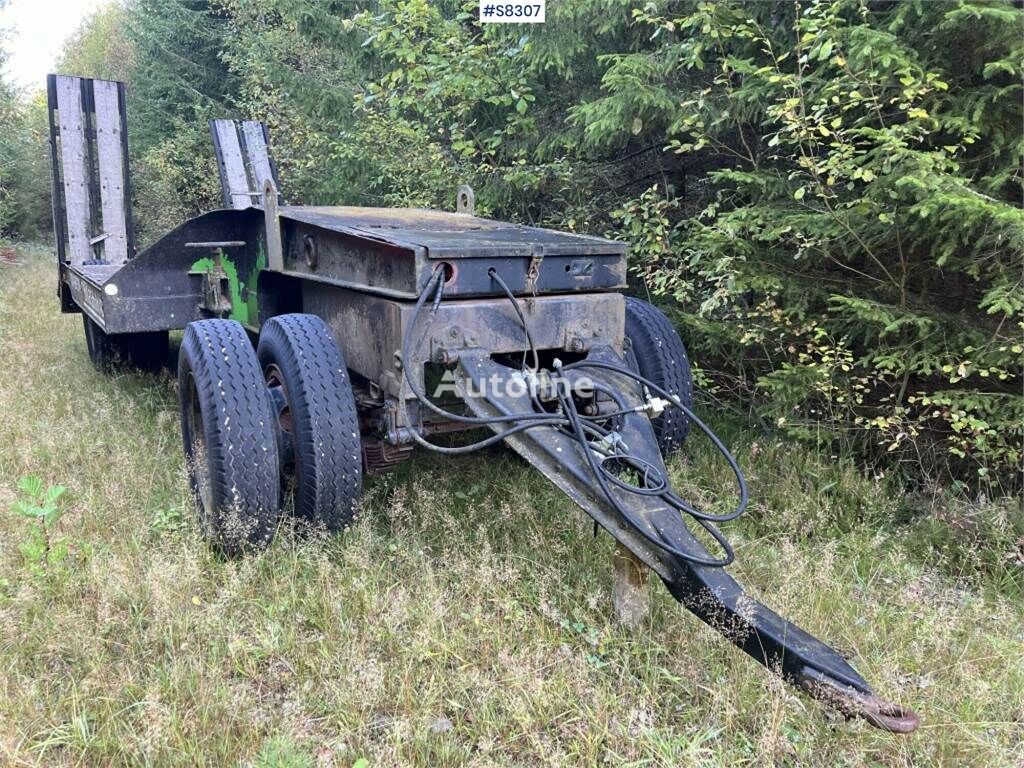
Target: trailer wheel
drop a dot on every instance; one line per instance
(317, 417)
(661, 357)
(108, 352)
(228, 433)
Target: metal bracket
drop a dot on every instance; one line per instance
(275, 252)
(465, 200)
(533, 271)
(445, 346)
(582, 337)
(574, 342)
(216, 294)
(216, 290)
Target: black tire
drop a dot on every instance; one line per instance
(307, 376)
(661, 357)
(109, 352)
(228, 432)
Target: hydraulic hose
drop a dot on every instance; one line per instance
(569, 421)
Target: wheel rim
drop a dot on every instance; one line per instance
(199, 456)
(285, 423)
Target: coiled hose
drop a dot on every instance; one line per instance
(585, 429)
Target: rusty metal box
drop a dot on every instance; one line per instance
(393, 252)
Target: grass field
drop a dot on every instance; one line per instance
(465, 619)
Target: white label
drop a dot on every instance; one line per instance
(512, 11)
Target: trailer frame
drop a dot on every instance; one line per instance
(354, 310)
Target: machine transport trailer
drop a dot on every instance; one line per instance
(325, 343)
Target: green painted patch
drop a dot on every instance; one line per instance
(244, 310)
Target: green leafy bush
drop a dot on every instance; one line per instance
(857, 261)
(24, 199)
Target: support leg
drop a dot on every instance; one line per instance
(631, 596)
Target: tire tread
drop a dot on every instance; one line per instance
(239, 432)
(662, 358)
(326, 423)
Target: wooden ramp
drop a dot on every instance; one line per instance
(244, 162)
(89, 170)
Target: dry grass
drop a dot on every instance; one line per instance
(449, 630)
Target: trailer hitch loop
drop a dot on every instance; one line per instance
(882, 714)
